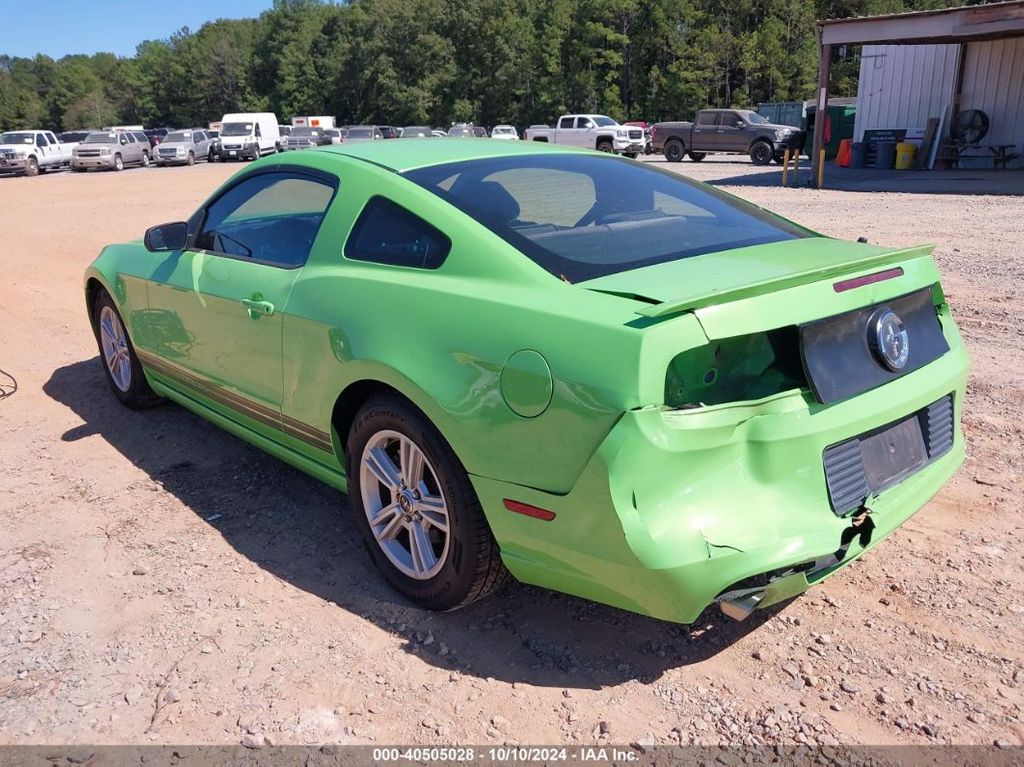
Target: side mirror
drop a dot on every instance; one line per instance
(165, 237)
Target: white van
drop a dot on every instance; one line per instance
(248, 136)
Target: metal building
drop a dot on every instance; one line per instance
(933, 64)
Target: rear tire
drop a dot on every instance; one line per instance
(674, 150)
(117, 354)
(450, 564)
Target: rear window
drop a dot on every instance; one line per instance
(583, 216)
(360, 133)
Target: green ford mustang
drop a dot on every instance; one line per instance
(580, 370)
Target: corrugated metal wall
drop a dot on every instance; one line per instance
(901, 86)
(994, 83)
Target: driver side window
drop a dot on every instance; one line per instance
(272, 218)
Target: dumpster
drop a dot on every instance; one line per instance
(839, 119)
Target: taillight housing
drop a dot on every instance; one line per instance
(736, 370)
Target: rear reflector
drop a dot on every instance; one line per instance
(867, 279)
(528, 510)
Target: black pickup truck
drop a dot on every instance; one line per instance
(734, 131)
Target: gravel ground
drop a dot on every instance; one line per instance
(162, 582)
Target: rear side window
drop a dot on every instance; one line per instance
(707, 118)
(386, 233)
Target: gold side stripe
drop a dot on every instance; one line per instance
(290, 426)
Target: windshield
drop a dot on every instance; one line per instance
(756, 119)
(604, 122)
(17, 138)
(178, 137)
(460, 131)
(360, 133)
(415, 131)
(503, 129)
(101, 138)
(582, 217)
(236, 129)
(305, 132)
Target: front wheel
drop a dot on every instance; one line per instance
(674, 150)
(697, 156)
(191, 158)
(124, 371)
(604, 146)
(631, 155)
(761, 153)
(118, 162)
(413, 503)
(31, 167)
(145, 160)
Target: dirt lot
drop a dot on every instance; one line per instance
(162, 582)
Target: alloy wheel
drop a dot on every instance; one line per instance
(116, 353)
(404, 504)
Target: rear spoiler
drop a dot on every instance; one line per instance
(719, 296)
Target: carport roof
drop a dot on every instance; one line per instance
(952, 25)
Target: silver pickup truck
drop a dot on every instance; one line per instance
(592, 132)
(31, 152)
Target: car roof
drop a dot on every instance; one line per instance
(422, 153)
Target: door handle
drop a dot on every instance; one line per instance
(257, 308)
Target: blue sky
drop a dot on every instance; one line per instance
(61, 27)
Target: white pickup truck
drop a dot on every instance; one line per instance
(592, 132)
(32, 152)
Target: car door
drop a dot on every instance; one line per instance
(585, 133)
(731, 136)
(216, 308)
(705, 132)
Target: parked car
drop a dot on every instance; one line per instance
(72, 138)
(438, 133)
(185, 147)
(757, 384)
(648, 141)
(505, 132)
(111, 150)
(156, 135)
(359, 134)
(284, 131)
(304, 138)
(336, 135)
(591, 132)
(388, 131)
(417, 131)
(462, 130)
(248, 136)
(731, 131)
(213, 134)
(31, 152)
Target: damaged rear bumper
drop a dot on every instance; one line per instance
(680, 509)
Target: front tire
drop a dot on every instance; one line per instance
(761, 153)
(144, 162)
(191, 158)
(697, 156)
(604, 146)
(413, 503)
(118, 162)
(31, 167)
(124, 371)
(674, 150)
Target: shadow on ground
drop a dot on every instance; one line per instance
(297, 529)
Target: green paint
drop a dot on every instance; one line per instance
(552, 394)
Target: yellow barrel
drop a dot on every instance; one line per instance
(905, 152)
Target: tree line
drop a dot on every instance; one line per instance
(432, 62)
